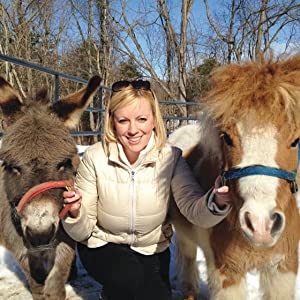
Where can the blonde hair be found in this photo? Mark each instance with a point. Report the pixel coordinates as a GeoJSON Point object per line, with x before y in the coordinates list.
{"type": "Point", "coordinates": [125, 97]}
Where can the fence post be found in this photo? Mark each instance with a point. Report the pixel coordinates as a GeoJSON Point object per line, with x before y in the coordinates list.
{"type": "Point", "coordinates": [100, 95]}
{"type": "Point", "coordinates": [56, 92]}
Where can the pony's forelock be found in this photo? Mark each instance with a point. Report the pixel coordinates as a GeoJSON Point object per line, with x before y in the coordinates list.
{"type": "Point", "coordinates": [270, 88]}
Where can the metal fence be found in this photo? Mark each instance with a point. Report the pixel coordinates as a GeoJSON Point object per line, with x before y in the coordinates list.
{"type": "Point", "coordinates": [175, 120]}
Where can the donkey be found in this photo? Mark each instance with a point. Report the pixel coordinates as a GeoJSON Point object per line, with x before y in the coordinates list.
{"type": "Point", "coordinates": [250, 138]}
{"type": "Point", "coordinates": [39, 159]}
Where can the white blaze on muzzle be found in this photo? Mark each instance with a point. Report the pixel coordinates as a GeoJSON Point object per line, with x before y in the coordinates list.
{"type": "Point", "coordinates": [260, 221]}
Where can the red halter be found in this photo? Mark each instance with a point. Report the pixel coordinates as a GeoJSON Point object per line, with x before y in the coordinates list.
{"type": "Point", "coordinates": [40, 188]}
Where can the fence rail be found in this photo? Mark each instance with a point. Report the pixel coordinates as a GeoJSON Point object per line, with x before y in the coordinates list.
{"type": "Point", "coordinates": [100, 109]}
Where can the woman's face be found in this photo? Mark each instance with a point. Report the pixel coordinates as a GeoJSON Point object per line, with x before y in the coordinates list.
{"type": "Point", "coordinates": [133, 125]}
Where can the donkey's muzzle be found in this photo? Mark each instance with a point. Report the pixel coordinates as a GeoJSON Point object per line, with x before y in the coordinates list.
{"type": "Point", "coordinates": [37, 238]}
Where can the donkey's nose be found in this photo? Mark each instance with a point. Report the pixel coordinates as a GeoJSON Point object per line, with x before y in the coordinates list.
{"type": "Point", "coordinates": [262, 231]}
{"type": "Point", "coordinates": [39, 238]}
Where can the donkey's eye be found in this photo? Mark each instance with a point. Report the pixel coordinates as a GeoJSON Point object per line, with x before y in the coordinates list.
{"type": "Point", "coordinates": [295, 143]}
{"type": "Point", "coordinates": [227, 139]}
{"type": "Point", "coordinates": [65, 164]}
{"type": "Point", "coordinates": [12, 169]}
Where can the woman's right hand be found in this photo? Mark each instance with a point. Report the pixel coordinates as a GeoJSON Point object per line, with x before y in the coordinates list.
{"type": "Point", "coordinates": [73, 197]}
{"type": "Point", "coordinates": [222, 197]}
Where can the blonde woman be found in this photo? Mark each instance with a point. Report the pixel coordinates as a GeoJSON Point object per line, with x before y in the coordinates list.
{"type": "Point", "coordinates": [123, 192]}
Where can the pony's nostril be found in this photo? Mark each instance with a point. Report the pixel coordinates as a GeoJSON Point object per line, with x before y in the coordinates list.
{"type": "Point", "coordinates": [277, 218]}
{"type": "Point", "coordinates": [248, 221]}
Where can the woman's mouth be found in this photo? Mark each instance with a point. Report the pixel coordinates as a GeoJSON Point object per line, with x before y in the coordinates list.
{"type": "Point", "coordinates": [134, 140]}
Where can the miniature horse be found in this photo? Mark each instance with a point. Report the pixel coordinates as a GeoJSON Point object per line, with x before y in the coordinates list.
{"type": "Point", "coordinates": [39, 161]}
{"type": "Point", "coordinates": [251, 139]}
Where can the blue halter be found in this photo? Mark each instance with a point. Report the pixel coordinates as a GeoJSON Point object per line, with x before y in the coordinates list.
{"type": "Point", "coordinates": [263, 170]}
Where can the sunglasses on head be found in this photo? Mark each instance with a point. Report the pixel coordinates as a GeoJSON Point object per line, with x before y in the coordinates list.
{"type": "Point", "coordinates": [136, 84]}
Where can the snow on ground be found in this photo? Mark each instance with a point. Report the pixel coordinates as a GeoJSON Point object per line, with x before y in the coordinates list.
{"type": "Point", "coordinates": [13, 283]}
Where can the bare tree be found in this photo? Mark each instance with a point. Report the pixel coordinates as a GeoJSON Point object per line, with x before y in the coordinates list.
{"type": "Point", "coordinates": [30, 33]}
{"type": "Point", "coordinates": [93, 51]}
{"type": "Point", "coordinates": [252, 27]}
{"type": "Point", "coordinates": [164, 39]}
{"type": "Point", "coordinates": [179, 44]}
{"type": "Point", "coordinates": [141, 30]}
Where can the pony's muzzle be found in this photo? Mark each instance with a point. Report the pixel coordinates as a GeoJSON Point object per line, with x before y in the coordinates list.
{"type": "Point", "coordinates": [262, 232]}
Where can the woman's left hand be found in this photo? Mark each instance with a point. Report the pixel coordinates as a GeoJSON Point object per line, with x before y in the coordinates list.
{"type": "Point", "coordinates": [222, 196]}
{"type": "Point", "coordinates": [74, 198]}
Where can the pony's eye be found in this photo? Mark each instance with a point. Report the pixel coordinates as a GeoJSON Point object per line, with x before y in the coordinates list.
{"type": "Point", "coordinates": [65, 164]}
{"type": "Point", "coordinates": [295, 143]}
{"type": "Point", "coordinates": [227, 139]}
{"type": "Point", "coordinates": [12, 169]}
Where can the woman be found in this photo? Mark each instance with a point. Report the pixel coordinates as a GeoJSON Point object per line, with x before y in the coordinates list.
{"type": "Point", "coordinates": [124, 183]}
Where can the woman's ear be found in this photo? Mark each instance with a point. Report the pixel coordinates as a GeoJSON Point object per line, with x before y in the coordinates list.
{"type": "Point", "coordinates": [154, 124]}
{"type": "Point", "coordinates": [112, 122]}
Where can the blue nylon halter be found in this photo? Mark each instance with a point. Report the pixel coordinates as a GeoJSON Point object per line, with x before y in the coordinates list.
{"type": "Point", "coordinates": [263, 170]}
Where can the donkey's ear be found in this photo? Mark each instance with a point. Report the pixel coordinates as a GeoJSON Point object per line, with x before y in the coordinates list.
{"type": "Point", "coordinates": [70, 108]}
{"type": "Point", "coordinates": [10, 102]}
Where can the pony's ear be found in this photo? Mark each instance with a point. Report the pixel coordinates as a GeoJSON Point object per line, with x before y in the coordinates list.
{"type": "Point", "coordinates": [10, 102]}
{"type": "Point", "coordinates": [70, 108]}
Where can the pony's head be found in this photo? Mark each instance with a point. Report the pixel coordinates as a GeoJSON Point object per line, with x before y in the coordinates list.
{"type": "Point", "coordinates": [37, 148]}
{"type": "Point", "coordinates": [257, 109]}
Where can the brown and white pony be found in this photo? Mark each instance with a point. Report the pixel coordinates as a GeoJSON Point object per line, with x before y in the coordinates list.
{"type": "Point", "coordinates": [251, 138]}
{"type": "Point", "coordinates": [39, 161]}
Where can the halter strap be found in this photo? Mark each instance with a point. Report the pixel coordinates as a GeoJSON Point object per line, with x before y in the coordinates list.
{"type": "Point", "coordinates": [236, 173]}
{"type": "Point", "coordinates": [260, 170]}
{"type": "Point", "coordinates": [40, 188]}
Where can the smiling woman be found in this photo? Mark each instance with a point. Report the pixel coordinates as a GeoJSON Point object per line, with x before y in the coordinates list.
{"type": "Point", "coordinates": [134, 124]}
{"type": "Point", "coordinates": [139, 95]}
{"type": "Point", "coordinates": [119, 212]}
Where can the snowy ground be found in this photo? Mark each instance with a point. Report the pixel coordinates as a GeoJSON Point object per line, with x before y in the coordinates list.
{"type": "Point", "coordinates": [13, 283]}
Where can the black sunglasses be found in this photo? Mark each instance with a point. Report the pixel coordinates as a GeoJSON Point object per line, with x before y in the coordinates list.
{"type": "Point", "coordinates": [136, 84]}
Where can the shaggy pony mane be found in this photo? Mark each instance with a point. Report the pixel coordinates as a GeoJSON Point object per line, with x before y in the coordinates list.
{"type": "Point", "coordinates": [270, 88]}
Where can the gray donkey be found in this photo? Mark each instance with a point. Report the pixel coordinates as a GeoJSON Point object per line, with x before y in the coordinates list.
{"type": "Point", "coordinates": [39, 161]}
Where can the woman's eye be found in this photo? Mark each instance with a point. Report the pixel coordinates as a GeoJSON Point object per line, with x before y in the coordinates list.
{"type": "Point", "coordinates": [295, 143]}
{"type": "Point", "coordinates": [142, 119]}
{"type": "Point", "coordinates": [227, 139]}
{"type": "Point", "coordinates": [122, 121]}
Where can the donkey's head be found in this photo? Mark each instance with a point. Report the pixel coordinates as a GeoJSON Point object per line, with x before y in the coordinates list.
{"type": "Point", "coordinates": [37, 148]}
{"type": "Point", "coordinates": [258, 107]}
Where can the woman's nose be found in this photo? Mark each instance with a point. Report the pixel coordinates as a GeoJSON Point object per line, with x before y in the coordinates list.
{"type": "Point", "coordinates": [132, 128]}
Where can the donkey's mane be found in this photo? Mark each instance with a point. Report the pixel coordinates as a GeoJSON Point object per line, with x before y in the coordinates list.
{"type": "Point", "coordinates": [271, 88]}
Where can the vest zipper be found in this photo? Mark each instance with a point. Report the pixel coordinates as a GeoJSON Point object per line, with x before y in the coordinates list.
{"type": "Point", "coordinates": [132, 207]}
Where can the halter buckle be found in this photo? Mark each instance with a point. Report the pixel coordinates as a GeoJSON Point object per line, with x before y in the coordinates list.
{"type": "Point", "coordinates": [294, 186]}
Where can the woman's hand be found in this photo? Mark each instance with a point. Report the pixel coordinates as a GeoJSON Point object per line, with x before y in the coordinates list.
{"type": "Point", "coordinates": [73, 197]}
{"type": "Point", "coordinates": [222, 197]}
